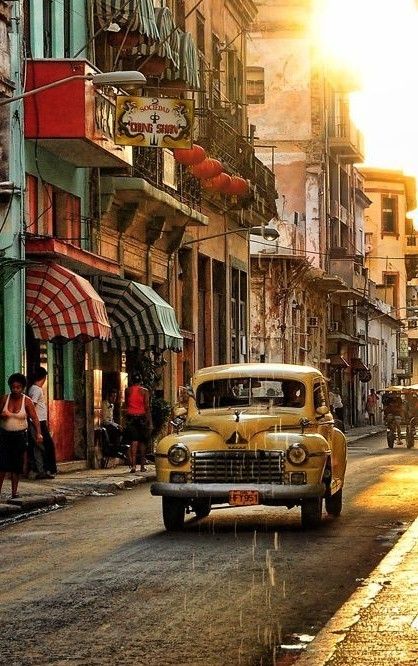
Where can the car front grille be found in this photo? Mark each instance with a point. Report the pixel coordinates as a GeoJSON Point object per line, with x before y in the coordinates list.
{"type": "Point", "coordinates": [237, 466]}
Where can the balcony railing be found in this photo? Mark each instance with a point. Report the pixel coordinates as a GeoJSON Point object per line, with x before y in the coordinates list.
{"type": "Point", "coordinates": [224, 143]}
{"type": "Point", "coordinates": [346, 141]}
{"type": "Point", "coordinates": [173, 178]}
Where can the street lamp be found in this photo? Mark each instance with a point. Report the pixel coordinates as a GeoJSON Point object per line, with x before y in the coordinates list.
{"type": "Point", "coordinates": [268, 233]}
{"type": "Point", "coordinates": [118, 79]}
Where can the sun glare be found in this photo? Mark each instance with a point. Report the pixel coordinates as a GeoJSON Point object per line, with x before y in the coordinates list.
{"type": "Point", "coordinates": [378, 40]}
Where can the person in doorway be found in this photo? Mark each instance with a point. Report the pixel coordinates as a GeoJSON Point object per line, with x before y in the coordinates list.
{"type": "Point", "coordinates": [16, 410]}
{"type": "Point", "coordinates": [371, 406]}
{"type": "Point", "coordinates": [45, 463]}
{"type": "Point", "coordinates": [113, 429]}
{"type": "Point", "coordinates": [138, 420]}
{"type": "Point", "coordinates": [337, 406]}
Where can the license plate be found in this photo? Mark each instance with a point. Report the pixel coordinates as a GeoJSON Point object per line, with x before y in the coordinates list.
{"type": "Point", "coordinates": [243, 497]}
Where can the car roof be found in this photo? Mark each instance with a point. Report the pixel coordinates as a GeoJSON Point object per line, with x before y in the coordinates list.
{"type": "Point", "coordinates": [267, 370]}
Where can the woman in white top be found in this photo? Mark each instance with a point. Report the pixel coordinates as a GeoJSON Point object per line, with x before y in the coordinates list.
{"type": "Point", "coordinates": [15, 410]}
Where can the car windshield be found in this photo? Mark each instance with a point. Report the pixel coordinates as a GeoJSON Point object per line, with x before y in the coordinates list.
{"type": "Point", "coordinates": [244, 392]}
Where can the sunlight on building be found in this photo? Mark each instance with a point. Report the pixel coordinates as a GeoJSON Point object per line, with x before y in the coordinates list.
{"type": "Point", "coordinates": [377, 39]}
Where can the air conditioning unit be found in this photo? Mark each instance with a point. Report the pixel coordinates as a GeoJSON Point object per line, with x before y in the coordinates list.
{"type": "Point", "coordinates": [335, 326]}
{"type": "Point", "coordinates": [313, 322]}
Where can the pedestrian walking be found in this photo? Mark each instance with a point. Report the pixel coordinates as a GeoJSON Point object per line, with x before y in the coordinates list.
{"type": "Point", "coordinates": [138, 420]}
{"type": "Point", "coordinates": [44, 458]}
{"type": "Point", "coordinates": [16, 410]}
{"type": "Point", "coordinates": [371, 406]}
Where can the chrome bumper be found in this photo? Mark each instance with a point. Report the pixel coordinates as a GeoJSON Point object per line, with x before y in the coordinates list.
{"type": "Point", "coordinates": [218, 493]}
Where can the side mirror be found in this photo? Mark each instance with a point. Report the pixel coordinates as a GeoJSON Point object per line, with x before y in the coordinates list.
{"type": "Point", "coordinates": [322, 410]}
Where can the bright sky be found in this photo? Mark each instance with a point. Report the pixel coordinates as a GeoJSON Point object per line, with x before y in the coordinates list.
{"type": "Point", "coordinates": [379, 39]}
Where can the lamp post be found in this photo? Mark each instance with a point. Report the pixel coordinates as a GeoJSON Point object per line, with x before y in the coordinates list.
{"type": "Point", "coordinates": [117, 79]}
{"type": "Point", "coordinates": [268, 233]}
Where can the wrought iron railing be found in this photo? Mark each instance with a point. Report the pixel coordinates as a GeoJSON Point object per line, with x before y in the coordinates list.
{"type": "Point", "coordinates": [237, 154]}
{"type": "Point", "coordinates": [148, 163]}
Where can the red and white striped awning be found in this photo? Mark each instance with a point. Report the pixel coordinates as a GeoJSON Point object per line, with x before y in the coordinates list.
{"type": "Point", "coordinates": [61, 304]}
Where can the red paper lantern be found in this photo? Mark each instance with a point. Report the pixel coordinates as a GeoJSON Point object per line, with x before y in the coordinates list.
{"type": "Point", "coordinates": [218, 183]}
{"type": "Point", "coordinates": [209, 168]}
{"type": "Point", "coordinates": [190, 156]}
{"type": "Point", "coordinates": [238, 187]}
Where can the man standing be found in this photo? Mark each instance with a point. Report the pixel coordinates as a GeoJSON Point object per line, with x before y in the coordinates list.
{"type": "Point", "coordinates": [49, 465]}
{"type": "Point", "coordinates": [371, 405]}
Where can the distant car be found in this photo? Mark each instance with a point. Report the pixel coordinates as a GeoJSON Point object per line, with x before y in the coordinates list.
{"type": "Point", "coordinates": [253, 434]}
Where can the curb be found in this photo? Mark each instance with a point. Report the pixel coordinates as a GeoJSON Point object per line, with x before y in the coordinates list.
{"type": "Point", "coordinates": [323, 647]}
{"type": "Point", "coordinates": [64, 493]}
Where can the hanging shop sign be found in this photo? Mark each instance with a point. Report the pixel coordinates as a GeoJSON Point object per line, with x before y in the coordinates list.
{"type": "Point", "coordinates": [403, 351]}
{"type": "Point", "coordinates": [154, 122]}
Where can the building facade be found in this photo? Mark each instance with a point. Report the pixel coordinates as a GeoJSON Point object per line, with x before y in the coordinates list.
{"type": "Point", "coordinates": [122, 226]}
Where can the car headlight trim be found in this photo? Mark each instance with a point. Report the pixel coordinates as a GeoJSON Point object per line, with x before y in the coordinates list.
{"type": "Point", "coordinates": [178, 454]}
{"type": "Point", "coordinates": [297, 454]}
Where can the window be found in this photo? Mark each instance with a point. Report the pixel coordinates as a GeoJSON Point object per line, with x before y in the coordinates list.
{"type": "Point", "coordinates": [58, 371]}
{"type": "Point", "coordinates": [389, 215]}
{"type": "Point", "coordinates": [391, 284]}
{"type": "Point", "coordinates": [67, 29]}
{"type": "Point", "coordinates": [47, 15]}
{"type": "Point", "coordinates": [180, 14]}
{"type": "Point", "coordinates": [32, 220]}
{"type": "Point", "coordinates": [251, 392]}
{"type": "Point", "coordinates": [200, 32]}
{"type": "Point", "coordinates": [255, 85]}
{"type": "Point", "coordinates": [238, 315]}
{"type": "Point", "coordinates": [66, 216]}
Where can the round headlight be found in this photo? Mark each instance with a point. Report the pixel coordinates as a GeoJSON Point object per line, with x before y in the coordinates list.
{"type": "Point", "coordinates": [296, 454]}
{"type": "Point", "coordinates": [178, 454]}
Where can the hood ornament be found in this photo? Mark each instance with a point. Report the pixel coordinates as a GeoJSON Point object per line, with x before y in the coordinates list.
{"type": "Point", "coordinates": [237, 415]}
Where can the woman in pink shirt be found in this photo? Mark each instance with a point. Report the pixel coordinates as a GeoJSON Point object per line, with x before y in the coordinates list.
{"type": "Point", "coordinates": [138, 419]}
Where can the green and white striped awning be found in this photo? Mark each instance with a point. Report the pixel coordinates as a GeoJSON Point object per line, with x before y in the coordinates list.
{"type": "Point", "coordinates": [188, 67]}
{"type": "Point", "coordinates": [131, 16]}
{"type": "Point", "coordinates": [162, 48]}
{"type": "Point", "coordinates": [139, 317]}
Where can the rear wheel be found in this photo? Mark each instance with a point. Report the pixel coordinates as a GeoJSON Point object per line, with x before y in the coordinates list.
{"type": "Point", "coordinates": [311, 512]}
{"type": "Point", "coordinates": [173, 514]}
{"type": "Point", "coordinates": [334, 503]}
{"type": "Point", "coordinates": [201, 508]}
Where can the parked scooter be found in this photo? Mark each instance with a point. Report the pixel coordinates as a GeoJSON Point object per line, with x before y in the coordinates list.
{"type": "Point", "coordinates": [113, 445]}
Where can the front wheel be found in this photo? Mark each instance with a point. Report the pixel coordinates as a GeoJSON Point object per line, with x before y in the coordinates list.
{"type": "Point", "coordinates": [173, 514]}
{"type": "Point", "coordinates": [311, 513]}
{"type": "Point", "coordinates": [334, 503]}
{"type": "Point", "coordinates": [201, 508]}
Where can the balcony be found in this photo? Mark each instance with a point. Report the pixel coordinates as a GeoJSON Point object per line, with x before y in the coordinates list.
{"type": "Point", "coordinates": [159, 168]}
{"type": "Point", "coordinates": [346, 141]}
{"type": "Point", "coordinates": [73, 120]}
{"type": "Point", "coordinates": [353, 274]}
{"type": "Point", "coordinates": [224, 143]}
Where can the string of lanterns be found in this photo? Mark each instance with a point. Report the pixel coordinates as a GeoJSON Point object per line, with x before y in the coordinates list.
{"type": "Point", "coordinates": [211, 171]}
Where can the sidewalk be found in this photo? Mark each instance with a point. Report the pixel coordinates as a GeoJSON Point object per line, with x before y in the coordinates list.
{"type": "Point", "coordinates": [378, 624]}
{"type": "Point", "coordinates": [67, 486]}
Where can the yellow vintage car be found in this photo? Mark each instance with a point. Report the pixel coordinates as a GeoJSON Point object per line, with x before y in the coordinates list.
{"type": "Point", "coordinates": [254, 433]}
